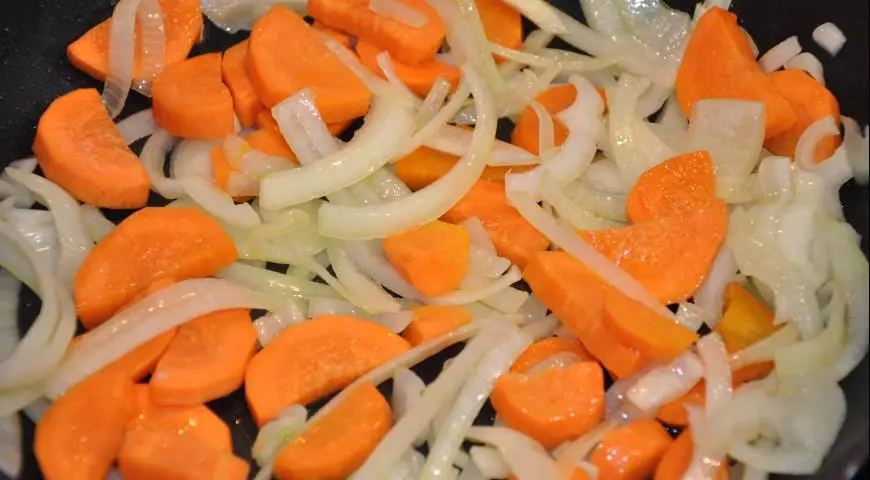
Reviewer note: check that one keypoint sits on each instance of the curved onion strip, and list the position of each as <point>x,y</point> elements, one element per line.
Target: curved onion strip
<point>829,37</point>
<point>144,320</point>
<point>765,349</point>
<point>387,185</point>
<point>220,204</point>
<point>302,127</point>
<point>569,211</point>
<point>470,398</point>
<point>433,101</point>
<point>709,296</point>
<point>808,63</point>
<point>376,299</point>
<point>717,373</point>
<point>465,297</point>
<point>74,242</point>
<point>153,156</point>
<point>192,158</point>
<point>385,63</point>
<point>526,458</point>
<point>540,13</point>
<point>269,326</point>
<point>9,288</point>
<point>780,54</point>
<point>267,281</point>
<point>599,202</point>
<point>508,300</point>
<point>137,126</point>
<point>96,224</point>
<point>382,138</point>
<point>546,133</point>
<point>583,120</point>
<point>153,42</point>
<point>122,50</point>
<point>457,141</point>
<point>372,262</point>
<point>822,350</point>
<point>11,401</point>
<point>429,203</point>
<point>318,306</point>
<point>559,360</point>
<point>407,389</point>
<point>437,121</point>
<point>278,433</point>
<point>490,462</point>
<point>10,446</point>
<point>805,151</point>
<point>37,227</point>
<point>857,148</point>
<point>666,383</point>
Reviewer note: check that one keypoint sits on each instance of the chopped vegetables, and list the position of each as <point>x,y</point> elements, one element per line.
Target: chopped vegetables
<point>632,451</point>
<point>540,351</point>
<point>679,186</point>
<point>419,78</point>
<point>432,257</point>
<point>246,103</point>
<point>433,321</point>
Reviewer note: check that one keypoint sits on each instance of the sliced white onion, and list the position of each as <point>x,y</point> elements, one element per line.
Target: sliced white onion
<point>400,12</point>
<point>10,446</point>
<point>829,37</point>
<point>367,256</point>
<point>710,296</point>
<point>385,63</point>
<point>464,297</point>
<point>9,290</point>
<point>690,316</point>
<point>540,13</point>
<point>603,175</point>
<point>559,360</point>
<point>809,63</point>
<point>37,227</point>
<point>805,151</point>
<point>269,326</point>
<point>490,462</point>
<point>433,101</point>
<point>765,350</point>
<point>546,134</point>
<point>407,389</point>
<point>508,300</point>
<point>122,51</point>
<point>571,211</point>
<point>152,158</point>
<point>780,54</point>
<point>278,433</point>
<point>533,309</point>
<point>408,467</point>
<point>96,224</point>
<point>153,41</point>
<point>717,373</point>
<point>457,141</point>
<point>234,15</point>
<point>219,203</point>
<point>478,234</point>
<point>137,126</point>
<point>666,383</point>
<point>602,203</point>
<point>192,158</point>
<point>370,296</point>
<point>318,306</point>
<point>144,320</point>
<point>526,458</point>
<point>819,352</point>
<point>433,126</point>
<point>857,148</point>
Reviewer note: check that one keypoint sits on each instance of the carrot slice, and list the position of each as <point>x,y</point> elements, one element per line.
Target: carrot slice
<point>285,55</point>
<point>191,101</point>
<point>206,360</point>
<point>271,143</point>
<point>554,100</point>
<point>333,33</point>
<point>618,358</point>
<point>514,237</point>
<point>670,256</point>
<point>333,447</point>
<point>746,320</point>
<point>153,244</point>
<point>432,257</point>
<point>579,474</point>
<point>411,45</point>
<point>245,100</point>
<point>680,186</point>
<point>811,101</point>
<point>313,359</point>
<point>139,362</point>
<point>546,348</point>
<point>553,405</point>
<point>674,412</point>
<point>501,23</point>
<point>432,321</point>
<point>80,434</point>
<point>425,165</point>
<point>631,452</point>
<point>419,78</point>
<point>80,148</point>
<point>182,25</point>
<point>266,121</point>
<point>677,458</point>
<point>719,63</point>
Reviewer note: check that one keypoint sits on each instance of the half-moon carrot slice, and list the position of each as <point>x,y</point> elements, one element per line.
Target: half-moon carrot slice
<point>285,55</point>
<point>333,33</point>
<point>554,100</point>
<point>265,120</point>
<point>432,257</point>
<point>425,165</point>
<point>234,73</point>
<point>206,360</point>
<point>313,359</point>
<point>271,143</point>
<point>553,405</point>
<point>419,78</point>
<point>680,186</point>
<point>191,101</point>
<point>411,45</point>
<point>432,321</point>
<point>678,457</point>
<point>631,451</point>
<point>182,26</point>
<point>501,23</point>
<point>546,348</point>
<point>140,361</point>
<point>80,148</point>
<point>333,447</point>
<point>153,244</point>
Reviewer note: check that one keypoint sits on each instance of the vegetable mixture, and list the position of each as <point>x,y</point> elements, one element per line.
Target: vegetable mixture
<point>312,261</point>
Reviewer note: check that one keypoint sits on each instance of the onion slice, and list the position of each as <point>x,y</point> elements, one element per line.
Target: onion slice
<point>809,63</point>
<point>780,54</point>
<point>829,37</point>
<point>137,126</point>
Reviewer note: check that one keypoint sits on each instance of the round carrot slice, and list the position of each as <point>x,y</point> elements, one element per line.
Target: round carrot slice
<point>631,452</point>
<point>680,185</point>
<point>80,148</point>
<point>191,101</point>
<point>546,348</point>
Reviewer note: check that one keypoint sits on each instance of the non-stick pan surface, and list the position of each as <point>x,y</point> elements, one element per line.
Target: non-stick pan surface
<point>34,70</point>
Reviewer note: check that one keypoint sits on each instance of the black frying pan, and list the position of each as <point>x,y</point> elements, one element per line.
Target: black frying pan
<point>34,70</point>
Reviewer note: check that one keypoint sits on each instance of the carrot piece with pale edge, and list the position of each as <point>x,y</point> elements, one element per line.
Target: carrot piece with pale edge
<point>80,434</point>
<point>285,55</point>
<point>139,362</point>
<point>246,103</point>
<point>333,33</point>
<point>425,165</point>
<point>554,100</point>
<point>669,256</point>
<point>432,321</point>
<point>618,358</point>
<point>432,257</point>
<point>333,447</point>
<point>680,185</point>
<point>678,457</point>
<point>419,78</point>
<point>79,147</point>
<point>313,359</point>
<point>190,100</point>
<point>412,45</point>
<point>631,452</point>
<point>501,23</point>
<point>811,101</point>
<point>719,63</point>
<point>153,244</point>
<point>206,360</point>
<point>746,319</point>
<point>546,348</point>
<point>271,143</point>
<point>554,405</point>
<point>182,25</point>
<point>221,167</point>
<point>513,236</point>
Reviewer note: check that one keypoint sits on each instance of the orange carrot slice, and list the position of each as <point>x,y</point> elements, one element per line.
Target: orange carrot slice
<point>191,101</point>
<point>80,434</point>
<point>419,78</point>
<point>746,320</point>
<point>221,167</point>
<point>618,358</point>
<point>514,237</point>
<point>333,33</point>
<point>680,186</point>
<point>153,244</point>
<point>553,405</point>
<point>411,45</point>
<point>79,148</point>
<point>285,55</point>
<point>425,165</point>
<point>206,360</point>
<point>677,458</point>
<point>140,361</point>
<point>554,100</point>
<point>670,256</point>
<point>719,63</point>
<point>333,447</point>
<point>432,257</point>
<point>631,452</point>
<point>271,143</point>
<point>245,100</point>
<point>811,101</point>
<point>674,413</point>
<point>432,321</point>
<point>546,348</point>
<point>501,23</point>
<point>313,359</point>
<point>182,25</point>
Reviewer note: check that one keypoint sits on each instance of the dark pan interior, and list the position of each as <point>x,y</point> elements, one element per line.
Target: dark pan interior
<point>34,70</point>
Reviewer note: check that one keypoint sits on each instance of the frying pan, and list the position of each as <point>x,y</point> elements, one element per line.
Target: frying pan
<point>34,70</point>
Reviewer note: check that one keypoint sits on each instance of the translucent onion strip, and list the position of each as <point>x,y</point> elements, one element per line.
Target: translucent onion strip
<point>829,37</point>
<point>776,57</point>
<point>400,12</point>
<point>372,297</point>
<point>526,458</point>
<point>122,50</point>
<point>809,63</point>
<point>457,141</point>
<point>153,42</point>
<point>275,283</point>
<point>372,262</point>
<point>377,85</point>
<point>805,151</point>
<point>137,126</point>
<point>153,156</point>
<point>433,101</point>
<point>540,13</point>
<point>461,297</point>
